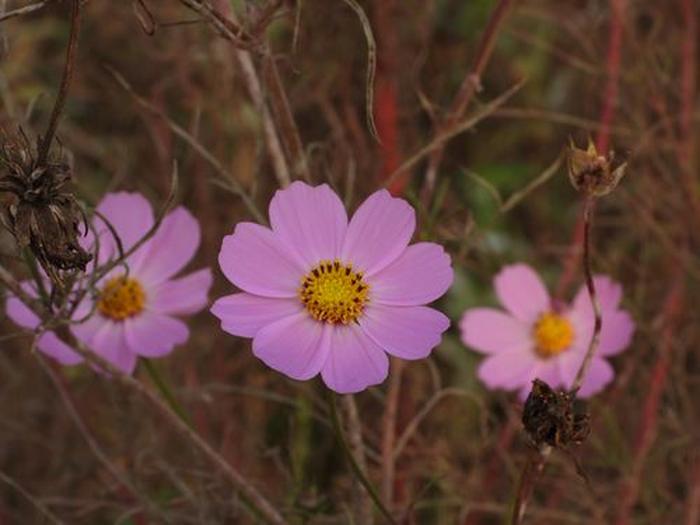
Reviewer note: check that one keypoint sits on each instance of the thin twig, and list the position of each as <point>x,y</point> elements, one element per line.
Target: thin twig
<point>519,195</point>
<point>363,505</point>
<point>356,469</point>
<point>371,65</point>
<point>250,75</point>
<point>72,410</point>
<point>391,411</point>
<point>23,10</point>
<point>248,492</point>
<point>440,140</point>
<point>231,181</point>
<point>38,504</point>
<point>531,473</point>
<point>469,87</point>
<point>45,144</point>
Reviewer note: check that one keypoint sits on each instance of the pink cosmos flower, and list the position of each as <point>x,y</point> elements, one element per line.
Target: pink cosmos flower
<point>134,310</point>
<point>324,295</point>
<point>535,339</point>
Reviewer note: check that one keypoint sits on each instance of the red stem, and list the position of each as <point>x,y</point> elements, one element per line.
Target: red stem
<point>650,412</point>
<point>385,93</point>
<point>602,141</point>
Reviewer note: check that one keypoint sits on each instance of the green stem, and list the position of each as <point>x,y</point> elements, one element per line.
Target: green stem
<point>165,391</point>
<point>357,471</point>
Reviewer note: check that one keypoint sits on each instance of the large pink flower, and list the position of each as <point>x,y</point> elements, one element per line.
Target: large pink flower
<point>533,339</point>
<point>324,295</point>
<point>134,310</point>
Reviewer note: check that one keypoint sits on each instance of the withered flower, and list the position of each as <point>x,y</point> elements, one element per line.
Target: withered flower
<point>593,174</point>
<point>551,418</point>
<point>45,215</point>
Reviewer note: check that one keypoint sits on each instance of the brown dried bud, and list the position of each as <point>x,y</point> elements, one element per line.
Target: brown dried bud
<point>549,417</point>
<point>592,174</point>
<point>46,216</point>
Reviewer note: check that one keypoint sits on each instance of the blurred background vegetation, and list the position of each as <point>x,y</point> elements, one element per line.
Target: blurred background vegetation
<point>620,71</point>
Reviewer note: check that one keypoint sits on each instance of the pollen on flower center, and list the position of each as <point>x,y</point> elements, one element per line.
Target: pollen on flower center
<point>333,293</point>
<point>553,334</point>
<point>121,298</point>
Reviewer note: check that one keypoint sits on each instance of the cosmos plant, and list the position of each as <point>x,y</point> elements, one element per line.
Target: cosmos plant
<point>533,337</point>
<point>134,312</point>
<point>321,294</point>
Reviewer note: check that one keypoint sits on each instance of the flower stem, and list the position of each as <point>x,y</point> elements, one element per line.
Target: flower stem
<point>588,207</point>
<point>357,471</point>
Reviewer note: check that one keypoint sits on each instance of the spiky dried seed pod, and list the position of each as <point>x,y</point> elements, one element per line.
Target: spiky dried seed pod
<point>549,417</point>
<point>591,173</point>
<point>45,216</point>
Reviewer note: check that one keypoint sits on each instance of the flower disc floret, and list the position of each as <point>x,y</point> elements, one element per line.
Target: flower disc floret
<point>553,334</point>
<point>333,293</point>
<point>121,298</point>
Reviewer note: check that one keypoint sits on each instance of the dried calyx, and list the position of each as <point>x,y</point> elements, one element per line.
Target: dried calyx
<point>554,418</point>
<point>44,216</point>
<point>593,174</point>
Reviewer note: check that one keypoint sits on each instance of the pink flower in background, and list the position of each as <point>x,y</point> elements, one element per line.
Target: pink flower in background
<point>321,295</point>
<point>134,312</point>
<point>532,339</point>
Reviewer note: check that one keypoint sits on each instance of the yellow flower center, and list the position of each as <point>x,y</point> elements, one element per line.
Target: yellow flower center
<point>120,298</point>
<point>333,293</point>
<point>553,334</point>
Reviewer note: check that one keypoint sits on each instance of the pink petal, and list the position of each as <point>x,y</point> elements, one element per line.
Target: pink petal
<point>548,371</point>
<point>169,250</point>
<point>51,345</point>
<point>311,220</point>
<point>48,342</point>
<point>609,295</point>
<point>244,314</point>
<point>130,214</point>
<point>409,332</point>
<point>109,342</point>
<point>154,335</point>
<point>378,233</point>
<point>183,296</point>
<point>297,345</point>
<point>421,274</point>
<point>18,312</point>
<point>86,330</point>
<point>256,261</point>
<point>599,375</point>
<point>521,292</point>
<point>615,334</point>
<point>492,331</point>
<point>508,370</point>
<point>354,361</point>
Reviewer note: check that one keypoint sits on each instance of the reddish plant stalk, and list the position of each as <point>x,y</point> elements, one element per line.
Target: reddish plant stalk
<point>629,492</point>
<point>385,93</point>
<point>469,87</point>
<point>602,140</point>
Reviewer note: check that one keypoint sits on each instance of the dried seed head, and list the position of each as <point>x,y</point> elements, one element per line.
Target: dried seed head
<point>549,417</point>
<point>592,174</point>
<point>45,215</point>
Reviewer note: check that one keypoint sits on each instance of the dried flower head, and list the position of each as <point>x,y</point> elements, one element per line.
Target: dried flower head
<point>591,173</point>
<point>45,216</point>
<point>551,417</point>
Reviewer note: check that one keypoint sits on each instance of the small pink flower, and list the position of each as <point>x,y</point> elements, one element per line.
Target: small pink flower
<point>533,339</point>
<point>321,295</point>
<point>133,313</point>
